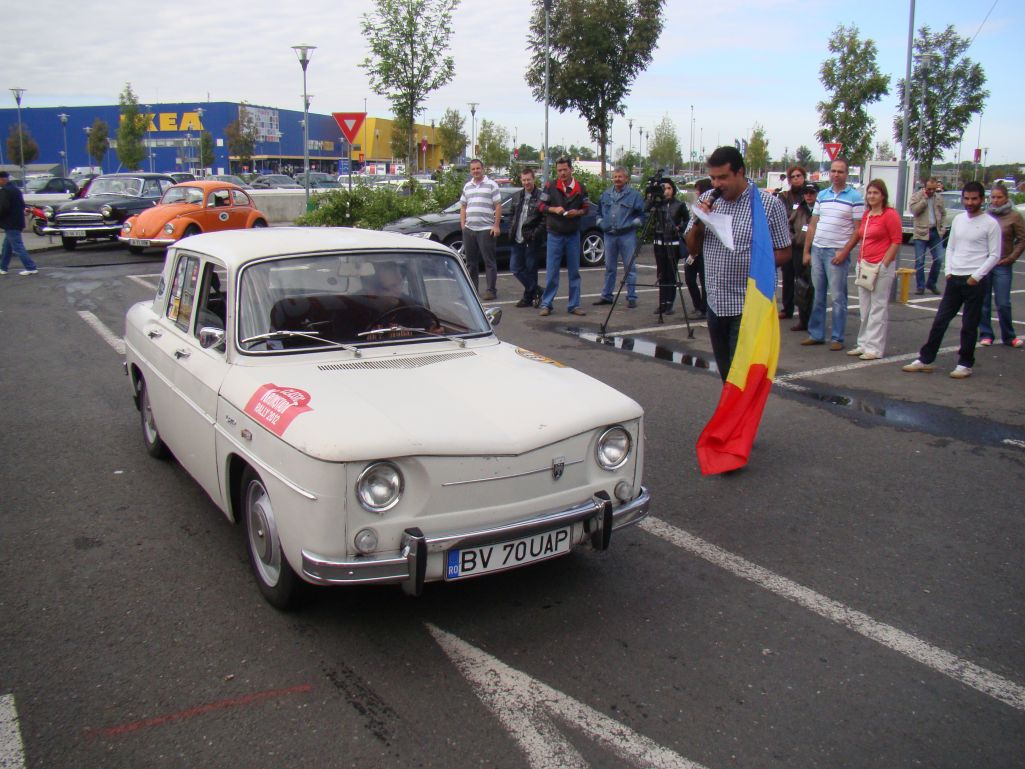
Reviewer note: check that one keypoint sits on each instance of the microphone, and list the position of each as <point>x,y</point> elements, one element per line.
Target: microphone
<point>716,194</point>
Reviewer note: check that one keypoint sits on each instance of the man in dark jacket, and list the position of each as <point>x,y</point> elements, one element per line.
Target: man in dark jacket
<point>563,202</point>
<point>528,239</point>
<point>12,222</point>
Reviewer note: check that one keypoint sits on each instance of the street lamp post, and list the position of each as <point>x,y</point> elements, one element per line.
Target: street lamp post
<point>303,52</point>
<point>902,168</point>
<point>18,93</point>
<point>88,158</point>
<point>473,128</point>
<point>691,158</point>
<point>64,127</point>
<point>630,123</point>
<point>548,14</point>
<point>199,153</point>
<point>149,138</point>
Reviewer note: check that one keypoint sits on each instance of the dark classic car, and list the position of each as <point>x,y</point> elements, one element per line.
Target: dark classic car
<point>111,199</point>
<point>444,228</point>
<point>51,184</point>
<point>275,182</point>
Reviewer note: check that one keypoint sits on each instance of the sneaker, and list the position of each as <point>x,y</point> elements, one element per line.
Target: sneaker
<point>537,296</point>
<point>524,303</point>
<point>545,311</point>
<point>3,272</point>
<point>836,346</point>
<point>960,372</point>
<point>601,301</point>
<point>28,272</point>
<point>933,290</point>
<point>489,296</point>
<point>1016,343</point>
<point>696,314</point>
<point>810,341</point>
<point>917,365</point>
<point>577,311</point>
<point>631,304</point>
<point>799,327</point>
<point>919,291</point>
<point>985,342</point>
<point>855,352</point>
<point>869,356</point>
<point>668,311</point>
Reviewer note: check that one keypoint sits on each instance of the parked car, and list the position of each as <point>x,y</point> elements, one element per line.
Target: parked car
<point>312,381</point>
<point>274,182</point>
<point>51,184</point>
<point>444,228</point>
<point>182,176</point>
<point>110,200</point>
<point>315,178</point>
<point>190,209</point>
<point>231,179</point>
<point>952,206</point>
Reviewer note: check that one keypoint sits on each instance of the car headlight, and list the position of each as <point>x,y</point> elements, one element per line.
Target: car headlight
<point>169,228</point>
<point>613,448</point>
<point>420,235</point>
<point>106,210</point>
<point>379,487</point>
<point>48,212</point>
<point>126,227</point>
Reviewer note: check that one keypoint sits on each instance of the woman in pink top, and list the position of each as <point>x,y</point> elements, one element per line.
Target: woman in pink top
<point>880,238</point>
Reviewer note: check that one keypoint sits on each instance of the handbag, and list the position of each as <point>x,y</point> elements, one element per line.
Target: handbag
<point>867,274</point>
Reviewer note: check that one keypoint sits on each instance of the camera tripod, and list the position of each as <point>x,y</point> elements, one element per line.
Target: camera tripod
<point>628,267</point>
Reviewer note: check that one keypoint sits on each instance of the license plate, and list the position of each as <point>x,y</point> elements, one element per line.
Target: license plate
<point>137,242</point>
<point>473,561</point>
<point>74,233</point>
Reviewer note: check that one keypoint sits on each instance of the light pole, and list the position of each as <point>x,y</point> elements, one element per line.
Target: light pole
<point>18,93</point>
<point>630,123</point>
<point>923,63</point>
<point>691,159</point>
<point>303,52</point>
<point>64,127</point>
<point>88,158</point>
<point>200,111</point>
<point>902,169</point>
<point>548,14</point>
<point>473,128</point>
<point>149,141</point>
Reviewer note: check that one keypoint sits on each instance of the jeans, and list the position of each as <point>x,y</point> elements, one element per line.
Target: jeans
<point>1001,278</point>
<point>559,247</point>
<point>955,293</point>
<point>477,245</point>
<point>935,245</point>
<point>13,244</point>
<point>723,332</point>
<point>828,278</point>
<point>618,247</point>
<point>524,262</point>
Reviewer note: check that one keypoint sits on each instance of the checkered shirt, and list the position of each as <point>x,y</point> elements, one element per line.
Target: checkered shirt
<point>726,271</point>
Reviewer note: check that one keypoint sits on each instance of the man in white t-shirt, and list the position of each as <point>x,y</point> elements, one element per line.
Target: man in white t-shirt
<point>480,217</point>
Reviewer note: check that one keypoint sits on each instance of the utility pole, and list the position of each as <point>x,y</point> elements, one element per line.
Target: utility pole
<point>902,169</point>
<point>691,158</point>
<point>473,128</point>
<point>548,15</point>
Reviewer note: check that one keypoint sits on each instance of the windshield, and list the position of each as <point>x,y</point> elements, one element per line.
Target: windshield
<point>110,185</point>
<point>317,302</point>
<point>34,185</point>
<point>183,195</point>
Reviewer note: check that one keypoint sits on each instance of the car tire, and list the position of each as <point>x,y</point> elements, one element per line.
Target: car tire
<point>191,230</point>
<point>592,249</point>
<point>69,244</point>
<point>278,583</point>
<point>259,223</point>
<point>455,242</point>
<point>155,446</point>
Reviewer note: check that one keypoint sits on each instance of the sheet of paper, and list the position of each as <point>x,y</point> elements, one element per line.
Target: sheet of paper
<point>721,224</point>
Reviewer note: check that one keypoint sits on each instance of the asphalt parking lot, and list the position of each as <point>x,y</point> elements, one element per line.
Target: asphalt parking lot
<point>852,598</point>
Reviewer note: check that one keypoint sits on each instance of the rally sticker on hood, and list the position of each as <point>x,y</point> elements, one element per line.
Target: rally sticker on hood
<point>275,407</point>
<point>539,358</point>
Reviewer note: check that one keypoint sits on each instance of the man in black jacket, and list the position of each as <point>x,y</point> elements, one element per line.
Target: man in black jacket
<point>563,202</point>
<point>528,239</point>
<point>12,222</point>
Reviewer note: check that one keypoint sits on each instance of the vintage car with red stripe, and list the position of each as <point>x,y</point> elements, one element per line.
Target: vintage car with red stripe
<point>342,395</point>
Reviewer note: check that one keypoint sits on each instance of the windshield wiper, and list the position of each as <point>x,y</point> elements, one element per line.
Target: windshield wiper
<point>312,335</point>
<point>459,341</point>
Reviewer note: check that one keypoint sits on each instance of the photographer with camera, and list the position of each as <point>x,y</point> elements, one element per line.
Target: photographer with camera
<point>620,214</point>
<point>669,218</point>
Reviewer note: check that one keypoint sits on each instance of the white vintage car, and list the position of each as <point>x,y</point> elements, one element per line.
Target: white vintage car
<point>342,394</point>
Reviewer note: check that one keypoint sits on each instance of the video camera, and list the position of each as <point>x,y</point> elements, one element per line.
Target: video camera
<point>653,192</point>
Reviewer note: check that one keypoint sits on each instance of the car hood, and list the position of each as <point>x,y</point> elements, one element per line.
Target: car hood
<point>415,222</point>
<point>93,205</point>
<point>489,398</point>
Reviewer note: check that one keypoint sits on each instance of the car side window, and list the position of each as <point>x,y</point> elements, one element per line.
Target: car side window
<point>239,198</point>
<point>211,306</point>
<point>183,291</point>
<point>151,189</point>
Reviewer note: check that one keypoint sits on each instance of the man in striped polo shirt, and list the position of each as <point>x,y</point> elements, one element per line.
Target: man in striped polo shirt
<point>832,234</point>
<point>480,217</point>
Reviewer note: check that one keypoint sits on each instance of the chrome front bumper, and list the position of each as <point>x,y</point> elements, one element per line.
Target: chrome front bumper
<point>599,516</point>
<point>91,230</point>
<point>150,242</point>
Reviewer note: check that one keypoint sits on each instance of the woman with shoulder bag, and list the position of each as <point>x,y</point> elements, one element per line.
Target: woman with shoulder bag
<point>880,236</point>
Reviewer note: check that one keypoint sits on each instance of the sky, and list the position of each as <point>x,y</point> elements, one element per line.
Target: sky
<point>730,64</point>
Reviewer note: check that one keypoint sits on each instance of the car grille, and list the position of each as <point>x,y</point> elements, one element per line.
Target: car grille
<point>79,219</point>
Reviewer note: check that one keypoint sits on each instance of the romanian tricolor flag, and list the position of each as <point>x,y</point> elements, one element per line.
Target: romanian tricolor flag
<point>725,443</point>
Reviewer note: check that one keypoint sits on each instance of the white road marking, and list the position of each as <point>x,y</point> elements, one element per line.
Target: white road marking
<point>526,708</point>
<point>1018,444</point>
<point>937,659</point>
<point>12,749</point>
<point>105,333</point>
<point>783,378</point>
<point>144,280</point>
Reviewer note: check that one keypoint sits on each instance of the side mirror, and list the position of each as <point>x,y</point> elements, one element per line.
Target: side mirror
<point>494,315</point>
<point>211,337</point>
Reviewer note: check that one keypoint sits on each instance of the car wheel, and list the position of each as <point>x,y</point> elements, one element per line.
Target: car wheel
<point>455,242</point>
<point>191,230</point>
<point>37,228</point>
<point>277,581</point>
<point>259,223</point>
<point>155,446</point>
<point>69,244</point>
<point>592,249</point>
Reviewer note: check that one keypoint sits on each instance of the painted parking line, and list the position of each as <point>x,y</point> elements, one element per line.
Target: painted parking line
<point>933,657</point>
<point>146,281</point>
<point>840,368</point>
<point>12,749</point>
<point>105,333</point>
<point>210,707</point>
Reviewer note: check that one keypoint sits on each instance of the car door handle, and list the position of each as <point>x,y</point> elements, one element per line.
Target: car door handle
<point>181,354</point>
<point>154,334</point>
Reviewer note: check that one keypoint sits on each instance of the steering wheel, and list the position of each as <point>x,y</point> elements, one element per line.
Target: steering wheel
<point>413,310</point>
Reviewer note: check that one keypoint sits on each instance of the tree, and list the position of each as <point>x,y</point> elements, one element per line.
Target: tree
<point>756,159</point>
<point>494,144</point>
<point>631,160</point>
<point>401,132</point>
<point>884,151</point>
<point>206,150</point>
<point>99,141</point>
<point>804,157</point>
<point>946,90</point>
<point>130,131</point>
<point>16,142</point>
<point>664,149</point>
<point>598,47</point>
<point>407,40</point>
<point>528,154</point>
<point>452,135</point>
<point>241,135</point>
<point>854,80</point>
<point>584,152</point>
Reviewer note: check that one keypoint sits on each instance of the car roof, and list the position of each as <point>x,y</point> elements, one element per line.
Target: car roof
<point>237,247</point>
<point>207,184</point>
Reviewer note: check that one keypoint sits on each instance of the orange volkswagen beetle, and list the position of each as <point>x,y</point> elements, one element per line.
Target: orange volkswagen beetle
<point>190,208</point>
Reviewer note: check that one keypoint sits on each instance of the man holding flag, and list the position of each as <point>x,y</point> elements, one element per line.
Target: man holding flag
<point>753,237</point>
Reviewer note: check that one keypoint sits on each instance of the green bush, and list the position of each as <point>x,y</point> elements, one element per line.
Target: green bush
<point>366,207</point>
